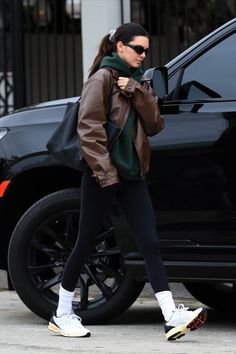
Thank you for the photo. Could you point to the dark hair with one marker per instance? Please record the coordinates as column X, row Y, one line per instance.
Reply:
column 124, row 33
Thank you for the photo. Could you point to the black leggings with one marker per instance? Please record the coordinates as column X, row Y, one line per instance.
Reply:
column 136, row 205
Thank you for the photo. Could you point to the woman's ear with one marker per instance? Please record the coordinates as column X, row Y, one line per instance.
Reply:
column 119, row 46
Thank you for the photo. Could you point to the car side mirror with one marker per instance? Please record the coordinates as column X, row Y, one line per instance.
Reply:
column 159, row 80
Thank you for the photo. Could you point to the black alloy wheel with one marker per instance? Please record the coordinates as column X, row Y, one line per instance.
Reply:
column 39, row 248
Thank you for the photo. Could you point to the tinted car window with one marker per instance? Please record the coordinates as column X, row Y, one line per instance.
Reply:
column 213, row 74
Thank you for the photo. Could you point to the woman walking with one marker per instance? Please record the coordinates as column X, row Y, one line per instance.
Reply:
column 119, row 172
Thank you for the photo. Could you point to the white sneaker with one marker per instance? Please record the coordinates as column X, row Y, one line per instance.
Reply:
column 183, row 320
column 68, row 325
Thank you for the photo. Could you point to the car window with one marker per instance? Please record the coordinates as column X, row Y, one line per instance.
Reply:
column 213, row 74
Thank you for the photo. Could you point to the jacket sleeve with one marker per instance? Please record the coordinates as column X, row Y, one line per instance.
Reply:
column 91, row 131
column 145, row 103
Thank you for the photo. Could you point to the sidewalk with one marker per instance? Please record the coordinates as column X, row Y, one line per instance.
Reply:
column 138, row 331
column 3, row 280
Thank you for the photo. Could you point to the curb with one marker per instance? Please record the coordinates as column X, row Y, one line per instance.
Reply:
column 3, row 280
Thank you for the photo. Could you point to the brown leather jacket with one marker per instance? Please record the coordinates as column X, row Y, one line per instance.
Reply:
column 92, row 117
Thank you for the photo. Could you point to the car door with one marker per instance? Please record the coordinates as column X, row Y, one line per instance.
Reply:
column 192, row 175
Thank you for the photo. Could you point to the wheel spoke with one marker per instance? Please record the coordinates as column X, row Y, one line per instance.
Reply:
column 84, row 291
column 45, row 249
column 104, row 235
column 70, row 230
column 106, row 290
column 42, row 268
column 50, row 283
column 47, row 229
column 112, row 273
column 115, row 251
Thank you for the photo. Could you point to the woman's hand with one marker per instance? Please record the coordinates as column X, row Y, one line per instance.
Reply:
column 122, row 82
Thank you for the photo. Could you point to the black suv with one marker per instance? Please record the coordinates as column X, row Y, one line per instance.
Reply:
column 191, row 182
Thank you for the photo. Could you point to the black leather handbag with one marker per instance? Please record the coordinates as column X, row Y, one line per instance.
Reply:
column 64, row 142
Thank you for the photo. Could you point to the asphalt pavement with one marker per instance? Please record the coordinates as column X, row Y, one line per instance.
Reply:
column 139, row 330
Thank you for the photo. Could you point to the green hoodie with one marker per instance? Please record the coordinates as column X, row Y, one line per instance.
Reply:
column 123, row 153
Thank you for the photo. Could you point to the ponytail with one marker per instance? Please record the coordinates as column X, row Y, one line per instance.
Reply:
column 105, row 49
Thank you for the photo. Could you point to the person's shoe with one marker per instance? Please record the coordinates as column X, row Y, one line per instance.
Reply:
column 183, row 320
column 68, row 325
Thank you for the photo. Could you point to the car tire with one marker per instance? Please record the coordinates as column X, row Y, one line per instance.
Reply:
column 39, row 247
column 212, row 295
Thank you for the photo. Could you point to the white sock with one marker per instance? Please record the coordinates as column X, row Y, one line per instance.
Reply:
column 166, row 303
column 65, row 301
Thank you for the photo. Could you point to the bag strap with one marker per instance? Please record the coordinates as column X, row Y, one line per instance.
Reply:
column 110, row 92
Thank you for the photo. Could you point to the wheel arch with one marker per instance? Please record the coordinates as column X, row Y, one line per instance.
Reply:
column 24, row 190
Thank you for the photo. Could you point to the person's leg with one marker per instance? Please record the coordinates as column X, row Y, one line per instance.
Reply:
column 137, row 207
column 138, row 210
column 96, row 203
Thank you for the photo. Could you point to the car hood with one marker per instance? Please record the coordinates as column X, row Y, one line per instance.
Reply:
column 50, row 111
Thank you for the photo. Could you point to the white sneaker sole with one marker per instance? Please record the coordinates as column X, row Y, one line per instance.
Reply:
column 191, row 325
column 59, row 331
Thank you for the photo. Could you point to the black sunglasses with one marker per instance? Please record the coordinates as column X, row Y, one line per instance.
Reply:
column 138, row 48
